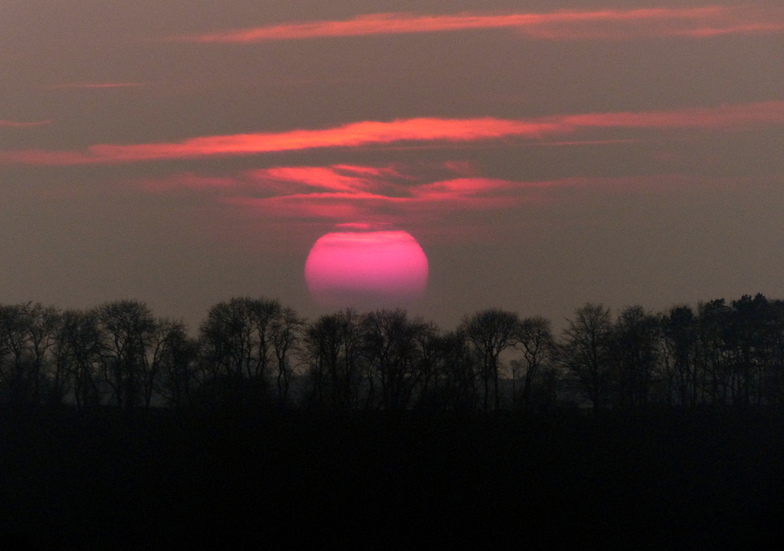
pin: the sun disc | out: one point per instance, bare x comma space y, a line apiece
361, 267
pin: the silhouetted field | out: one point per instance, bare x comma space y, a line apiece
166, 478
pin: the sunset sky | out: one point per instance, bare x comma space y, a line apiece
543, 153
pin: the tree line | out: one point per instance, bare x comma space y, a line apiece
252, 352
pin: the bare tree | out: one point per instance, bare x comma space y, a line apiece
333, 348
491, 332
237, 336
429, 366
535, 340
15, 376
77, 351
286, 331
636, 352
715, 355
390, 347
459, 370
128, 328
177, 355
586, 350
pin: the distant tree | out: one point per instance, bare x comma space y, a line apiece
26, 335
460, 365
14, 377
390, 346
773, 378
680, 356
236, 337
534, 338
236, 341
586, 353
429, 362
490, 332
77, 352
750, 336
286, 331
52, 383
173, 358
636, 352
334, 357
127, 329
715, 355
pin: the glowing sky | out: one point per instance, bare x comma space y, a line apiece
542, 153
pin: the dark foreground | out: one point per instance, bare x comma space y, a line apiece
165, 480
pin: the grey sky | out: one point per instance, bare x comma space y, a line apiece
660, 178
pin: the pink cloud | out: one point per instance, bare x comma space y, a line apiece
386, 196
349, 135
558, 25
317, 177
416, 198
433, 131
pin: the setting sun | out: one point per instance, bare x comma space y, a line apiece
361, 266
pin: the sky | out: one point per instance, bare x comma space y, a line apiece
542, 153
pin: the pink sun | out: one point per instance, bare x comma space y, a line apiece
366, 268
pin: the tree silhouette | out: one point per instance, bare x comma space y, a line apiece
715, 354
27, 334
334, 347
127, 329
719, 353
490, 332
390, 348
429, 363
175, 355
535, 340
636, 354
586, 351
286, 330
680, 356
77, 354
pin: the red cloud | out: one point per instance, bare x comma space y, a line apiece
414, 200
343, 193
428, 130
559, 25
349, 135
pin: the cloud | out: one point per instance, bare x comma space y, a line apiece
16, 124
722, 116
418, 130
437, 202
350, 135
559, 25
351, 193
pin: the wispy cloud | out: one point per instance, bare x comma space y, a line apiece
559, 25
434, 200
19, 124
722, 116
413, 131
348, 193
98, 85
349, 135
